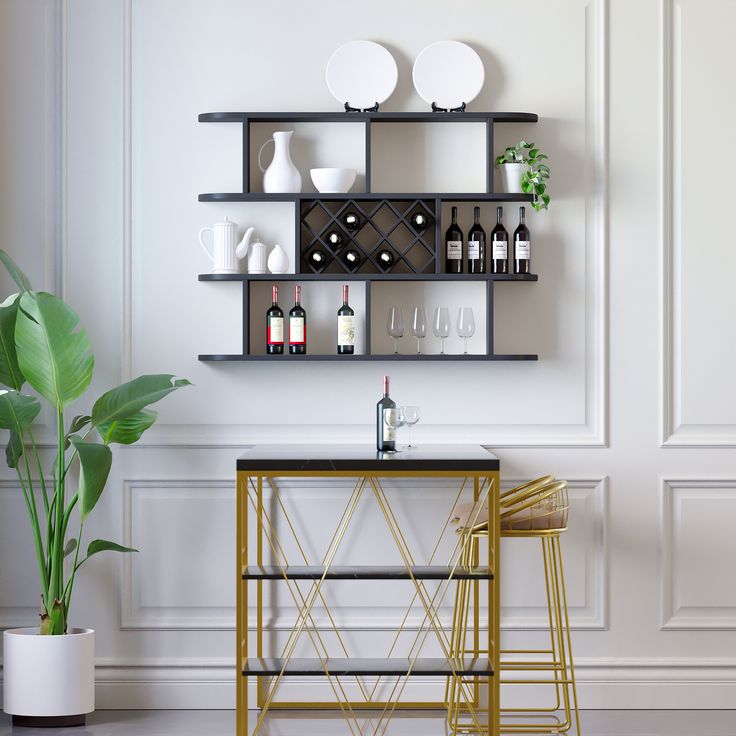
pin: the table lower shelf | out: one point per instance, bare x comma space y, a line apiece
359, 572
395, 667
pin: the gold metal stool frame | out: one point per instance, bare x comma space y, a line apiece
538, 509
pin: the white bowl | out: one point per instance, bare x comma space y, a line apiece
333, 181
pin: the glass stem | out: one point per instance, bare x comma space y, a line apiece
396, 346
466, 345
419, 343
442, 346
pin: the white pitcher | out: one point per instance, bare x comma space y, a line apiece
256, 252
281, 177
224, 243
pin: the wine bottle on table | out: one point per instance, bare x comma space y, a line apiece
345, 326
522, 246
385, 430
454, 246
297, 325
499, 245
477, 246
274, 325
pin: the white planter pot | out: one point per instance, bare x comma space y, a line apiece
48, 678
511, 177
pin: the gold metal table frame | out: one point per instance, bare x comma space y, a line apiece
480, 686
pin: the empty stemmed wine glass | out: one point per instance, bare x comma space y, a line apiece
395, 326
465, 325
410, 415
441, 325
419, 326
394, 418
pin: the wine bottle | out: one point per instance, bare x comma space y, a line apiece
351, 258
297, 325
351, 221
345, 326
274, 325
477, 246
318, 260
522, 246
454, 246
499, 245
334, 240
419, 222
385, 259
385, 431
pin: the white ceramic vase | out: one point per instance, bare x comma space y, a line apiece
31, 694
281, 177
278, 261
511, 177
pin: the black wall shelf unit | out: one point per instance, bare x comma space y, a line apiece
384, 226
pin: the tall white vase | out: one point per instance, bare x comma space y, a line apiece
281, 177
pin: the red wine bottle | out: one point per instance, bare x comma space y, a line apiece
345, 326
454, 246
297, 325
499, 245
274, 325
385, 432
522, 246
477, 246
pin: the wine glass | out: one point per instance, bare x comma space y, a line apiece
394, 418
411, 417
441, 325
395, 326
465, 325
419, 326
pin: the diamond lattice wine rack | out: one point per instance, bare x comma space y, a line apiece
368, 236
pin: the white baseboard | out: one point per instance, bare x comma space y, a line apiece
602, 683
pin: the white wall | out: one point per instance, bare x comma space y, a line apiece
631, 399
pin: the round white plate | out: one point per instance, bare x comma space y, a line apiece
362, 73
448, 73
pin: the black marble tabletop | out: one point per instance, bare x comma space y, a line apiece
336, 457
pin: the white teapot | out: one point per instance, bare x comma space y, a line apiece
224, 255
257, 257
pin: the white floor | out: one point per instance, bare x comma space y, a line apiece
222, 723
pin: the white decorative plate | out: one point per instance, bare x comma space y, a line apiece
362, 73
448, 73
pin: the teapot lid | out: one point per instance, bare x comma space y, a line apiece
227, 222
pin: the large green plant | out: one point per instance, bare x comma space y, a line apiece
536, 174
40, 344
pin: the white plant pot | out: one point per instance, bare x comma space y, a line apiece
48, 680
511, 177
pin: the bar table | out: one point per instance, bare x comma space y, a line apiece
475, 472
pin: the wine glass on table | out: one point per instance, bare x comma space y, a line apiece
395, 326
441, 326
419, 326
411, 417
394, 419
465, 325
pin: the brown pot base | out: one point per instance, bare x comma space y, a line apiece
49, 721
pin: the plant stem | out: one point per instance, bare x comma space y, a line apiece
40, 472
70, 583
57, 558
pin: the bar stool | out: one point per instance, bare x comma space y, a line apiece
538, 509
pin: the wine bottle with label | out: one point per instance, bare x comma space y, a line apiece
522, 246
385, 425
477, 246
345, 326
274, 325
454, 246
297, 325
499, 245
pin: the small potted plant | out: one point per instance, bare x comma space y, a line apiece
48, 677
523, 172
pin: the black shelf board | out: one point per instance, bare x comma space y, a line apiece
375, 117
395, 667
397, 196
368, 277
359, 572
216, 358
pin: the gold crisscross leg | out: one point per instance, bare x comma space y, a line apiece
556, 663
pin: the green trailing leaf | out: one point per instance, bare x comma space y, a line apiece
14, 449
71, 545
130, 398
10, 374
95, 461
55, 357
17, 410
129, 430
16, 274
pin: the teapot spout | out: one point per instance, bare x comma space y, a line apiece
242, 248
